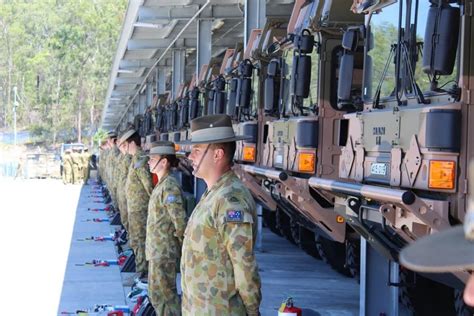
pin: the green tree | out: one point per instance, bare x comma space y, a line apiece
58, 53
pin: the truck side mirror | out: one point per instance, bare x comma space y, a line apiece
441, 40
194, 106
272, 87
346, 68
232, 97
219, 98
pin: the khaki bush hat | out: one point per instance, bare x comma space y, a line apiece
212, 129
112, 134
162, 148
127, 135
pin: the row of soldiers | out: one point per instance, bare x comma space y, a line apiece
76, 166
219, 274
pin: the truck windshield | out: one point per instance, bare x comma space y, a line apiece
382, 53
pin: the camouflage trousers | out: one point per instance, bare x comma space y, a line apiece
162, 287
76, 174
67, 175
122, 206
113, 194
137, 236
86, 173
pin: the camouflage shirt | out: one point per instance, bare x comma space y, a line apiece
138, 186
166, 220
218, 266
67, 162
112, 167
124, 161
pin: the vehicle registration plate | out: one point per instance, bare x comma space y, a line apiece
378, 169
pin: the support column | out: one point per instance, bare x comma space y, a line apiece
161, 80
149, 93
204, 44
178, 70
379, 284
254, 17
142, 103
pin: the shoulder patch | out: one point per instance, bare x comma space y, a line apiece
234, 216
171, 199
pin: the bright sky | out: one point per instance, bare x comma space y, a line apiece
390, 14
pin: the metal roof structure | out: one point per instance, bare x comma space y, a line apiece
159, 37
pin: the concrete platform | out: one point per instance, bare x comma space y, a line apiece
85, 286
285, 270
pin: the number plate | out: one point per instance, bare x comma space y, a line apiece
279, 159
378, 169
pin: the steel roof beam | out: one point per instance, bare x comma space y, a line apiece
255, 11
162, 15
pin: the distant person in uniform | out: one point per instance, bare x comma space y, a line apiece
123, 165
67, 167
219, 273
76, 159
138, 188
164, 232
20, 167
86, 160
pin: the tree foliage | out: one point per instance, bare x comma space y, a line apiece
58, 53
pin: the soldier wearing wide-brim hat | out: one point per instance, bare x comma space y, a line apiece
138, 188
219, 274
165, 229
121, 174
110, 165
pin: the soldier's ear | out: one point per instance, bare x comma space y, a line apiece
218, 154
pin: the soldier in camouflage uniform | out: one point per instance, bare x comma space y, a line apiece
124, 161
102, 154
76, 166
164, 232
219, 274
111, 165
138, 188
86, 158
67, 167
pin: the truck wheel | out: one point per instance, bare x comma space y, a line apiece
432, 298
295, 232
269, 219
333, 253
308, 243
353, 258
283, 224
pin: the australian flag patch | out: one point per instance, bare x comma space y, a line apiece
234, 216
171, 199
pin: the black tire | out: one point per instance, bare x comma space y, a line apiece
295, 232
406, 278
353, 258
431, 298
333, 253
283, 225
308, 243
269, 220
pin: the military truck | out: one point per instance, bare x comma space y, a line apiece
406, 144
294, 115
